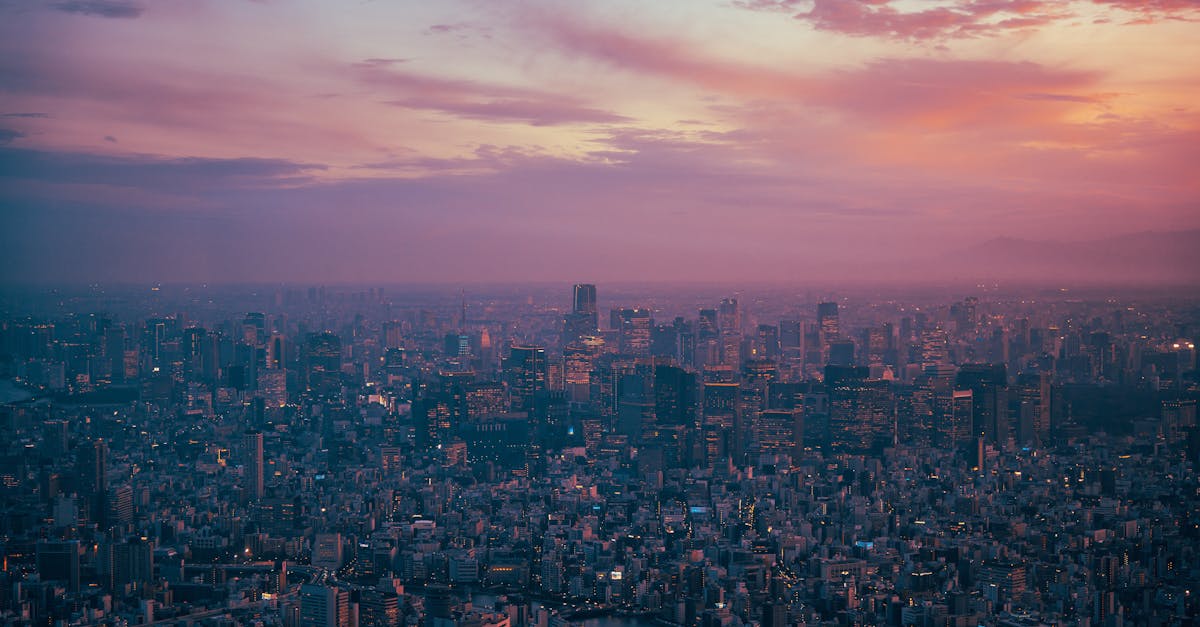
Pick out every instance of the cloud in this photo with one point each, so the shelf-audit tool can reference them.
(24, 115)
(881, 18)
(957, 19)
(927, 92)
(149, 172)
(7, 135)
(100, 8)
(663, 56)
(479, 101)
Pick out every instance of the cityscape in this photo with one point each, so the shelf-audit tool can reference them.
(603, 313)
(511, 457)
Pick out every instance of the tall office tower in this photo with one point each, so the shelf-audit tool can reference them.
(323, 362)
(393, 334)
(720, 425)
(874, 343)
(827, 326)
(526, 371)
(861, 412)
(252, 464)
(791, 338)
(729, 316)
(767, 343)
(272, 387)
(685, 334)
(706, 325)
(633, 330)
(675, 413)
(757, 376)
(963, 313)
(954, 429)
(635, 405)
(729, 324)
(780, 432)
(584, 301)
(90, 472)
(840, 353)
(1032, 396)
(54, 438)
(133, 562)
(114, 353)
(119, 506)
(989, 387)
(155, 334)
(327, 551)
(59, 561)
(934, 353)
(583, 320)
(675, 395)
(277, 348)
(323, 606)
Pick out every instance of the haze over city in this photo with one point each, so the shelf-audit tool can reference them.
(728, 141)
(543, 313)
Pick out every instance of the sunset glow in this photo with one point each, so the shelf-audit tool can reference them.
(187, 141)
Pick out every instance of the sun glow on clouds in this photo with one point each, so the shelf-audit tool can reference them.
(890, 116)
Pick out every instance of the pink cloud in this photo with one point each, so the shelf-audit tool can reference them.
(965, 18)
(662, 56)
(477, 100)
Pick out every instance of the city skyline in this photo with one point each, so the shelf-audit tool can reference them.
(757, 140)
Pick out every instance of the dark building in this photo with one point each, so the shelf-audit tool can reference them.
(323, 362)
(861, 411)
(526, 370)
(59, 561)
(988, 384)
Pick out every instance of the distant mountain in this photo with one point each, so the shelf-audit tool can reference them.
(1146, 257)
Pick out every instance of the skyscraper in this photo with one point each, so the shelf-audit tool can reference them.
(323, 367)
(323, 606)
(59, 561)
(633, 330)
(989, 387)
(526, 370)
(827, 325)
(583, 320)
(585, 300)
(252, 449)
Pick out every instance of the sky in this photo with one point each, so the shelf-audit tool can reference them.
(387, 141)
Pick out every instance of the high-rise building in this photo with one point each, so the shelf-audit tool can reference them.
(862, 416)
(527, 371)
(379, 608)
(633, 330)
(252, 464)
(583, 320)
(954, 430)
(729, 316)
(91, 472)
(59, 561)
(721, 427)
(323, 362)
(324, 606)
(327, 551)
(989, 387)
(133, 562)
(827, 325)
(584, 301)
(780, 432)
